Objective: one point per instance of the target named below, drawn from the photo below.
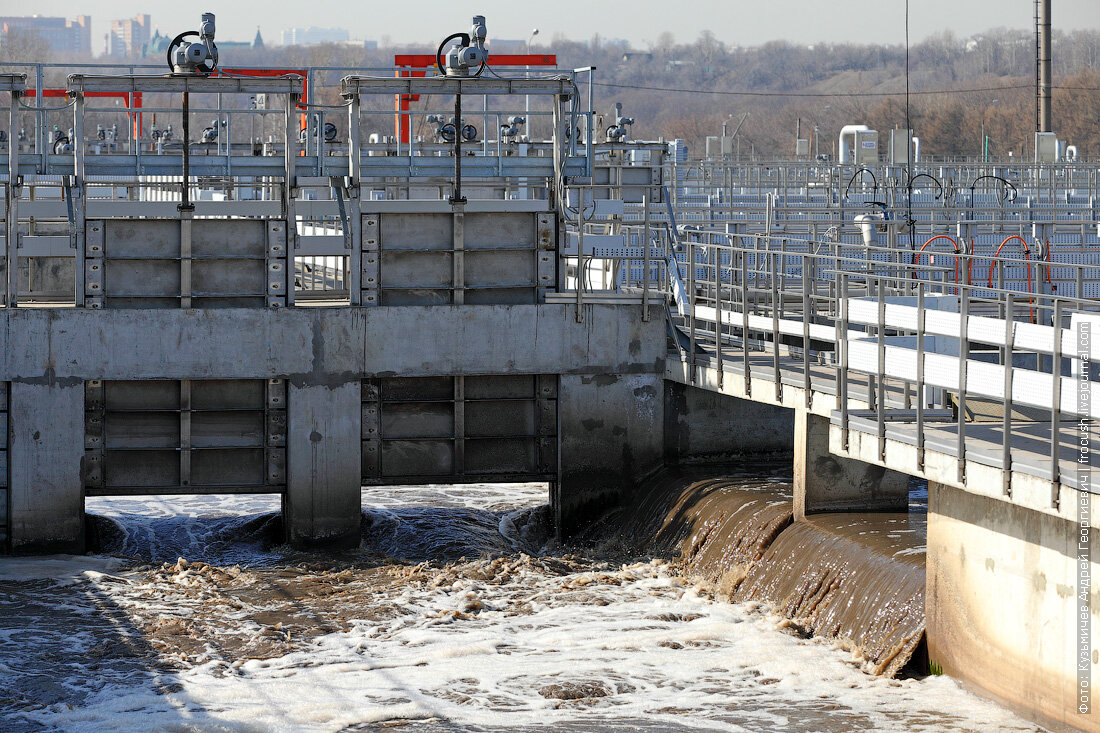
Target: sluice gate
(306, 321)
(298, 337)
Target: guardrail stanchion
(1056, 405)
(922, 398)
(964, 355)
(880, 395)
(776, 304)
(1006, 421)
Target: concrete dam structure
(306, 317)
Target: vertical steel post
(718, 327)
(745, 318)
(880, 397)
(645, 257)
(1006, 420)
(921, 396)
(964, 356)
(1056, 406)
(691, 306)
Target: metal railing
(904, 349)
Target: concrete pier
(825, 482)
(611, 438)
(701, 425)
(322, 504)
(46, 459)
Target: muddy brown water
(858, 578)
(469, 617)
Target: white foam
(666, 654)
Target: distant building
(128, 37)
(59, 34)
(309, 36)
(257, 42)
(157, 46)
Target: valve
(62, 143)
(194, 57)
(509, 129)
(445, 129)
(618, 132)
(467, 55)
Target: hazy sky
(735, 22)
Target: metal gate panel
(457, 429)
(201, 436)
(149, 263)
(457, 257)
(415, 262)
(504, 230)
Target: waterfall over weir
(858, 578)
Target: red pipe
(418, 64)
(131, 100)
(916, 257)
(1027, 258)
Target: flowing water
(459, 613)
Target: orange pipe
(1026, 258)
(916, 257)
(993, 263)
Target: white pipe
(1071, 153)
(916, 149)
(846, 131)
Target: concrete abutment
(824, 482)
(1003, 609)
(46, 455)
(322, 505)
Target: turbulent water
(457, 613)
(858, 578)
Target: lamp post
(527, 97)
(985, 140)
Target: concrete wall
(611, 432)
(322, 504)
(825, 482)
(701, 425)
(46, 450)
(328, 344)
(1001, 604)
(324, 354)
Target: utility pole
(1044, 81)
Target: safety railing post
(691, 308)
(842, 354)
(745, 319)
(807, 317)
(1006, 420)
(1056, 405)
(645, 255)
(964, 355)
(921, 397)
(880, 396)
(776, 304)
(718, 327)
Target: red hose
(1027, 259)
(916, 257)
